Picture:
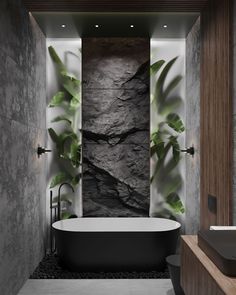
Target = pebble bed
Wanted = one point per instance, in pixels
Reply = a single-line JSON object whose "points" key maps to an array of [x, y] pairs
{"points": [[49, 268]]}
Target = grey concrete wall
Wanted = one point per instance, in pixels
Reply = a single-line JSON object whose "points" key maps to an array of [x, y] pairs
{"points": [[115, 123], [22, 125], [193, 129]]}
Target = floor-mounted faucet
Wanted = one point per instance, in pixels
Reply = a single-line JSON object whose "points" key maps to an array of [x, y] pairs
{"points": [[59, 198]]}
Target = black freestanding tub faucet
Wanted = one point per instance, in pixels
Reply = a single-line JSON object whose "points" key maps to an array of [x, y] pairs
{"points": [[59, 198]]}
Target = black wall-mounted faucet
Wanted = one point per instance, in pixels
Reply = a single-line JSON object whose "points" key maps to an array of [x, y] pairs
{"points": [[59, 198], [41, 150], [189, 150]]}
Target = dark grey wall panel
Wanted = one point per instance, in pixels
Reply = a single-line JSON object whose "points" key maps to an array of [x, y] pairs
{"points": [[116, 114], [23, 127]]}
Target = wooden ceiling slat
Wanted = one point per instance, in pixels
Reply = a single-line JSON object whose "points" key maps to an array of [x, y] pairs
{"points": [[116, 5]]}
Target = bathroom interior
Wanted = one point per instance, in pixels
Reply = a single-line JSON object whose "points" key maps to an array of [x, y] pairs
{"points": [[117, 133]]}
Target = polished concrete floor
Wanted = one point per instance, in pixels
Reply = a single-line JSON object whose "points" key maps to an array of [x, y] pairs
{"points": [[98, 287]]}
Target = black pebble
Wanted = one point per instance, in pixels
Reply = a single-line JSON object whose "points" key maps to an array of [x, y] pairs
{"points": [[49, 268]]}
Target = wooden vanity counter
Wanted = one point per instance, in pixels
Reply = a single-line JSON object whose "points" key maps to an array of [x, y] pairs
{"points": [[199, 275]]}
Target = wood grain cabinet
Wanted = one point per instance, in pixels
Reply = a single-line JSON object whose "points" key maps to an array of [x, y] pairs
{"points": [[199, 275]]}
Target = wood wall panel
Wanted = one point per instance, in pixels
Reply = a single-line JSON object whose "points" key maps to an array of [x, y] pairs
{"points": [[216, 112], [116, 6], [199, 275]]}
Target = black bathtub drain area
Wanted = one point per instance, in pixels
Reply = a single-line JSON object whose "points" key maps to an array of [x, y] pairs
{"points": [[49, 268]]}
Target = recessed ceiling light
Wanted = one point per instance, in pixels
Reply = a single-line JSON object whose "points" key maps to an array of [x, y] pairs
{"points": [[132, 26], [63, 25], [165, 26], [96, 26]]}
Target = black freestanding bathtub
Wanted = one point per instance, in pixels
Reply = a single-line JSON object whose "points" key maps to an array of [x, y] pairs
{"points": [[115, 244]]}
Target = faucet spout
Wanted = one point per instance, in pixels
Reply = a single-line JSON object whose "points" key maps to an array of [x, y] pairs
{"points": [[59, 198]]}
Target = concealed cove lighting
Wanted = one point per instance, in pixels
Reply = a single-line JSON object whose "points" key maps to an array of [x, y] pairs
{"points": [[165, 26], [132, 26], [63, 26]]}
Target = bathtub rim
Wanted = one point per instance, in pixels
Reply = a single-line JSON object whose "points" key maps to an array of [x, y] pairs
{"points": [[58, 225]]}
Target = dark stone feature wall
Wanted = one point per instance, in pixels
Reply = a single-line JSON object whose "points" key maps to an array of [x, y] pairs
{"points": [[115, 123], [22, 127]]}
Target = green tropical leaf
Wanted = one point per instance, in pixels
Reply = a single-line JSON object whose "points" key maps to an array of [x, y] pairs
{"points": [[70, 83], [65, 215], [156, 67], [63, 138], [75, 153], [153, 150], [74, 103], [67, 135], [53, 135], [174, 201], [159, 144], [170, 166], [61, 118], [57, 59], [159, 91], [160, 150], [67, 142], [171, 104], [175, 148], [175, 81], [164, 142], [174, 121], [72, 86], [173, 184], [160, 161], [76, 179], [59, 178], [166, 70], [155, 137], [57, 99], [71, 79]]}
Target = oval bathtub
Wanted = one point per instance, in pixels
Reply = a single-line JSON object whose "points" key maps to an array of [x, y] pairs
{"points": [[115, 244]]}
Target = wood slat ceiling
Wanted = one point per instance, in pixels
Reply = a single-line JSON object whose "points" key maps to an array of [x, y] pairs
{"points": [[115, 5]]}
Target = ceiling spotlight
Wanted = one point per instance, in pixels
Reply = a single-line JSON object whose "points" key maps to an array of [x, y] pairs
{"points": [[165, 26], [63, 25], [96, 26], [132, 26]]}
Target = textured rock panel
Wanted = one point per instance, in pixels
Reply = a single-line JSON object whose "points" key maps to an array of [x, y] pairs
{"points": [[22, 125], [116, 137], [112, 62], [110, 113], [117, 175]]}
